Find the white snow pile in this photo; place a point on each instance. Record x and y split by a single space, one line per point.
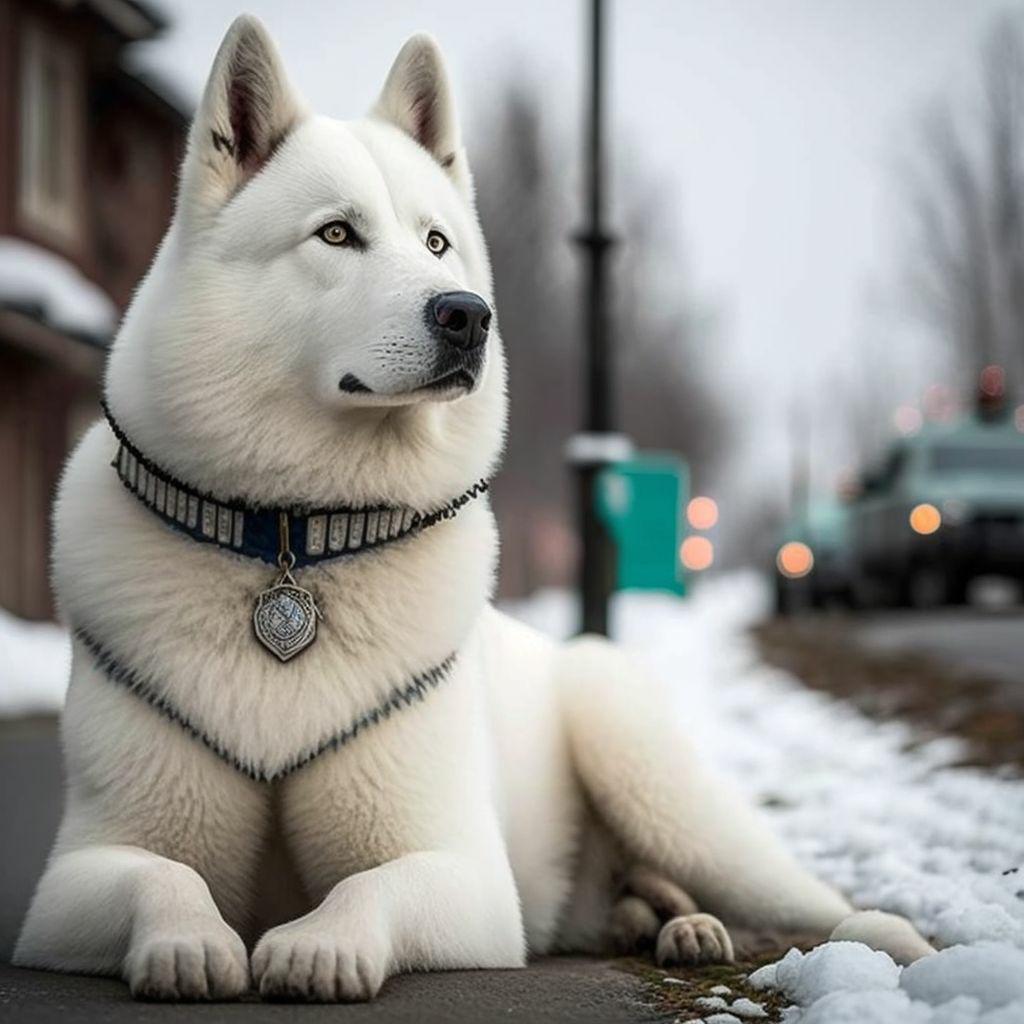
894 826
847 983
69 301
743 1008
35 659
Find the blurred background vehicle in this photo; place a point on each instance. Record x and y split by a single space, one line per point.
813 565
944 508
941 508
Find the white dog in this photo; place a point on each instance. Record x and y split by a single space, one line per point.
385 772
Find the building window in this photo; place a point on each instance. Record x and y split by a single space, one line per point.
50 99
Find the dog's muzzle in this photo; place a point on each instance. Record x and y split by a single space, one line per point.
460 322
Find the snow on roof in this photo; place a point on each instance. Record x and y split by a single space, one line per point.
31 276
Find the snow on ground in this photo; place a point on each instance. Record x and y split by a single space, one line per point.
30 274
892 827
35 658
847 983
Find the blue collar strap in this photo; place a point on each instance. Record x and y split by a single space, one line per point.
311 535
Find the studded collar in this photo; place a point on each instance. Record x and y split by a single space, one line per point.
313 535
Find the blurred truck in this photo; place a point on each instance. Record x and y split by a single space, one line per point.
945 506
812 564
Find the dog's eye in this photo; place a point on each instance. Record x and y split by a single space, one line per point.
337 232
437 243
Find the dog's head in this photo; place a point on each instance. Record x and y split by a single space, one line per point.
319 322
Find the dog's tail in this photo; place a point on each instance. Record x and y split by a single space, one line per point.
669 812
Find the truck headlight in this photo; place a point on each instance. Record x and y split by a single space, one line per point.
794 560
925 518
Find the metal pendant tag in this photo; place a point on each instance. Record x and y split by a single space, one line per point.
285 618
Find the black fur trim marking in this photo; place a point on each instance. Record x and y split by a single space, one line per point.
451 510
399 697
222 143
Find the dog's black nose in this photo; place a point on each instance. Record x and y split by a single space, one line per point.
460 318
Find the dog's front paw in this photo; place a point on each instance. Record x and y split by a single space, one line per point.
296 961
693 939
205 962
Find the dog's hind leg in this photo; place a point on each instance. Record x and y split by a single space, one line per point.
633 925
656 914
124 910
665 898
647 901
673 815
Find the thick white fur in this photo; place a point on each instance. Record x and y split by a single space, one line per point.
486 823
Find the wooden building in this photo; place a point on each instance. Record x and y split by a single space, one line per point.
89 151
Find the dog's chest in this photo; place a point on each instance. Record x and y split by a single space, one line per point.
179 616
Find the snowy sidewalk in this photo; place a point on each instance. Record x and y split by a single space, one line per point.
892 827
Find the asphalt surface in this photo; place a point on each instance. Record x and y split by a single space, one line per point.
30 806
985 644
557 990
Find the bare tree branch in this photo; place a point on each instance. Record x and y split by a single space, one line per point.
965 200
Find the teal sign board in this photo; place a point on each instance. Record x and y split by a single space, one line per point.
640 501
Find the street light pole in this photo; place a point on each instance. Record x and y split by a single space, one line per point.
596 242
598 444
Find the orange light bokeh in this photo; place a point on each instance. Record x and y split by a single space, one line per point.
795 559
702 513
925 518
697 553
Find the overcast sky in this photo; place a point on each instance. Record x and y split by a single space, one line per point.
778 121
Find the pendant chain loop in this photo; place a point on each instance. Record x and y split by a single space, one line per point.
285 557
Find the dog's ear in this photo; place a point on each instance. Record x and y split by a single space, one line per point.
247 110
417 97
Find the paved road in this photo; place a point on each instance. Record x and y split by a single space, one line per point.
30 788
563 990
560 990
984 644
